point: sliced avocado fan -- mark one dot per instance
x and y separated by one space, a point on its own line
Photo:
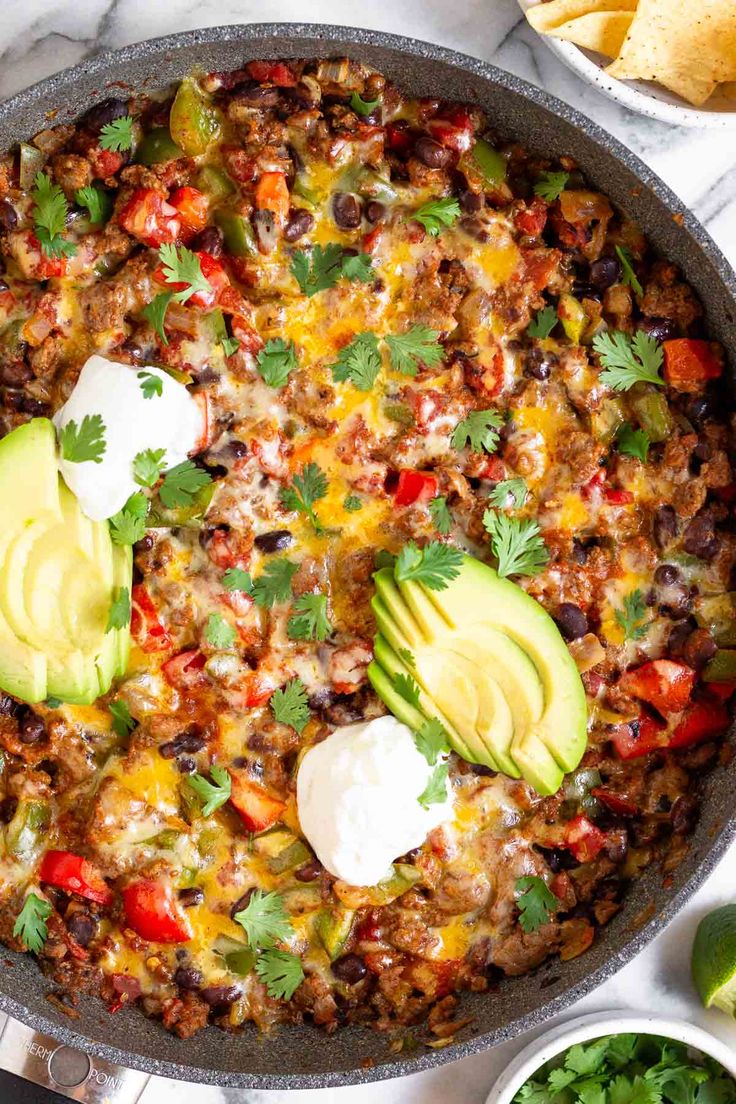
59 573
490 664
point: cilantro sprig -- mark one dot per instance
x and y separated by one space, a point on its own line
266 923
117 135
237 579
281 972
276 361
436 214
436 788
84 442
181 266
50 210
551 185
307 487
629 276
479 431
122 720
628 360
513 489
419 345
274 585
218 633
155 313
321 268
633 442
310 621
361 106
543 323
151 385
440 514
359 362
182 483
128 525
536 902
435 565
119 615
289 705
213 791
516 544
97 201
631 616
406 687
30 925
431 740
148 465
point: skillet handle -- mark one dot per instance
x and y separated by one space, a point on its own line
72 1073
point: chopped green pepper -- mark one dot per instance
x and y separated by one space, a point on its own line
238 234
607 420
333 927
296 854
653 413
488 162
717 613
214 182
12 344
24 834
181 517
193 121
157 146
722 667
301 188
30 161
572 316
302 899
239 958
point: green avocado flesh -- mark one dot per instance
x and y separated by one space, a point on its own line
58 575
490 664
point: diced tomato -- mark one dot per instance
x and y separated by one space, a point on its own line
272 194
702 721
255 690
192 206
492 468
271 72
454 129
399 136
612 801
258 810
73 874
148 217
583 839
414 486
149 633
540 265
688 364
532 220
663 683
230 548
594 484
616 497
104 162
152 912
212 271
30 258
639 737
186 670
722 690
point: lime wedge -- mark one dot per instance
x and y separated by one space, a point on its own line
714 959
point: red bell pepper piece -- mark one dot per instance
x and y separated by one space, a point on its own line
30 258
149 633
73 874
414 486
152 912
613 802
399 136
663 683
722 690
272 194
192 206
688 363
185 671
639 737
702 721
616 497
258 810
454 129
148 217
583 839
532 220
272 72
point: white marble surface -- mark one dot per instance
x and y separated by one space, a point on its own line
38 37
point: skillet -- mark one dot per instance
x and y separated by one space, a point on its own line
305 1057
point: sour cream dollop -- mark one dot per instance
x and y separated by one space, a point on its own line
132 423
358 799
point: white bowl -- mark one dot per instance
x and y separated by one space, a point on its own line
645 97
585 1028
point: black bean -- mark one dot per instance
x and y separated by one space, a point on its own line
474 228
253 94
666 575
346 210
703 451
190 896
242 902
8 707
8 807
679 634
579 552
665 526
8 215
350 968
15 373
679 605
309 872
274 541
32 728
375 211
210 240
571 620
322 698
81 927
582 290
236 449
188 977
34 407
698 649
431 153
604 272
538 364
699 408
661 329
186 765
470 202
700 538
185 741
220 996
299 223
105 112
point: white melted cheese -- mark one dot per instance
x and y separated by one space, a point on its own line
132 423
358 799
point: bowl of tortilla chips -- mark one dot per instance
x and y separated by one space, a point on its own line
674 60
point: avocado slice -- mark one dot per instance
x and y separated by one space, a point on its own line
112 661
388 592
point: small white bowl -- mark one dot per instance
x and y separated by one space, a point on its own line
645 97
582 1030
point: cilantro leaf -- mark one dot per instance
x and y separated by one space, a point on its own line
308 487
435 565
357 266
436 789
625 1090
584 1059
237 579
407 688
128 525
264 920
122 721
50 209
321 268
276 360
30 924
543 323
155 313
419 345
83 443
311 622
117 135
352 504
97 201
633 442
408 658
628 360
147 466
181 484
550 185
181 266
213 793
479 431
361 106
592 1094
440 515
359 362
629 276
631 616
516 544
436 214
274 585
289 705
508 488
536 902
119 615
219 633
151 384
281 972
431 740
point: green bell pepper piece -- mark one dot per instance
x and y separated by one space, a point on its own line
193 121
214 182
181 517
722 667
369 183
296 854
488 162
157 146
30 161
717 613
25 831
653 413
572 316
302 899
606 421
301 188
237 233
333 927
241 962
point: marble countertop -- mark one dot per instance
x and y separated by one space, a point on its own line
38 37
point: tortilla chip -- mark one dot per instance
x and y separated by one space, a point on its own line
544 17
603 32
684 45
